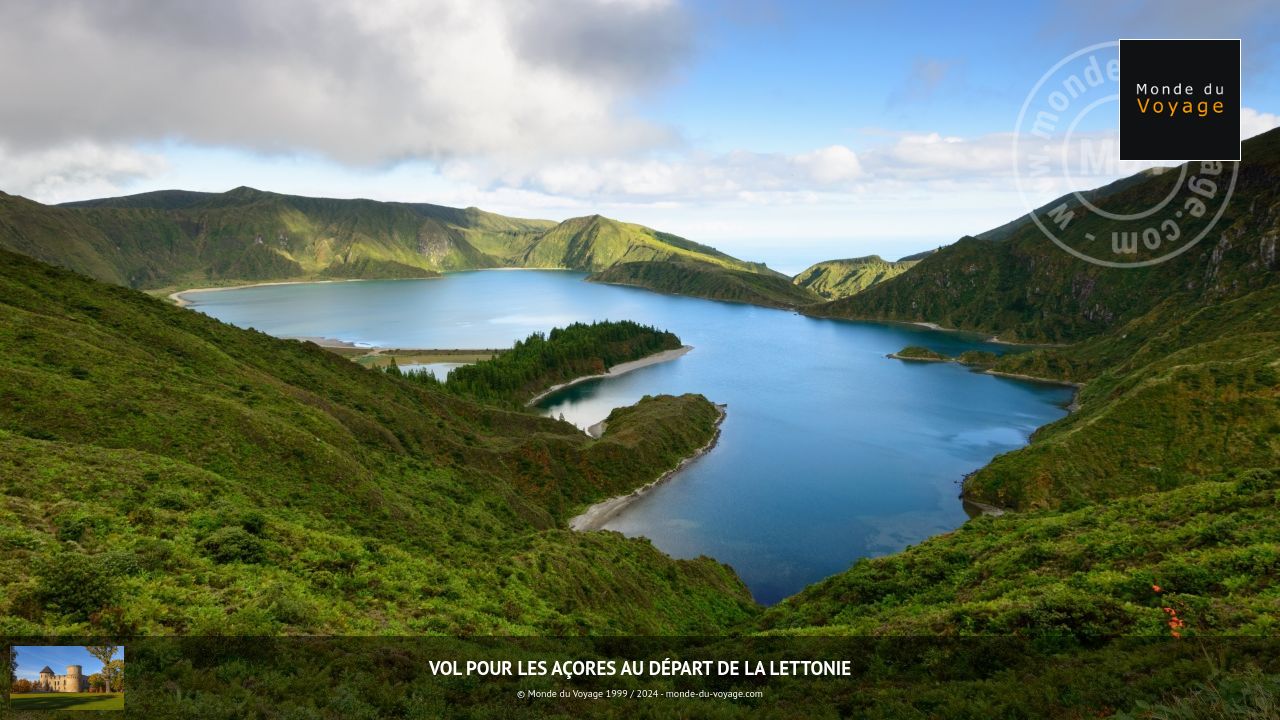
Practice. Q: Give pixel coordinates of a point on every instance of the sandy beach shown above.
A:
(177, 297)
(618, 369)
(594, 517)
(180, 301)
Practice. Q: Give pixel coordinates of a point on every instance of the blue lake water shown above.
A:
(830, 451)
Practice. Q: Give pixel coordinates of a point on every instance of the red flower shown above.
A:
(1156, 588)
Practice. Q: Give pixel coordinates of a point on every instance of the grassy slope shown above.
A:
(163, 472)
(1025, 288)
(178, 238)
(832, 279)
(595, 243)
(1168, 474)
(1212, 547)
(699, 279)
(23, 702)
(1174, 396)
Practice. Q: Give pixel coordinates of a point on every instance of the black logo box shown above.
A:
(1185, 67)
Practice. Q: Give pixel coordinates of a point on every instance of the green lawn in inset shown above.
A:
(67, 701)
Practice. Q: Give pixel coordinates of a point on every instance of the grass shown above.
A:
(710, 281)
(23, 702)
(165, 473)
(176, 240)
(919, 354)
(1028, 290)
(834, 279)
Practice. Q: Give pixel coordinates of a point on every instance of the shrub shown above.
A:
(233, 544)
(74, 584)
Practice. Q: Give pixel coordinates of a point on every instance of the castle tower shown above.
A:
(46, 678)
(74, 680)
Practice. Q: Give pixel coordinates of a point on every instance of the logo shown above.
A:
(1110, 212)
(1180, 99)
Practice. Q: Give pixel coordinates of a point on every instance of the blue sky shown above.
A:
(782, 131)
(33, 658)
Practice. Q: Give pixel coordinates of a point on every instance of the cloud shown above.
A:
(75, 170)
(693, 177)
(1253, 122)
(362, 83)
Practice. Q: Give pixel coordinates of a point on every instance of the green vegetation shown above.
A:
(1085, 574)
(1166, 477)
(543, 360)
(978, 358)
(1170, 399)
(834, 279)
(916, 352)
(595, 243)
(25, 702)
(705, 280)
(1014, 283)
(385, 357)
(175, 239)
(165, 473)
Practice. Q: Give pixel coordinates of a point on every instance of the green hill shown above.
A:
(545, 360)
(712, 281)
(1086, 574)
(1025, 288)
(1181, 398)
(832, 279)
(1152, 503)
(179, 238)
(1172, 397)
(166, 473)
(595, 243)
(1179, 360)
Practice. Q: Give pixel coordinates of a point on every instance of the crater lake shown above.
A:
(829, 452)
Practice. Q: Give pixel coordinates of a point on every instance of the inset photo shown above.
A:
(66, 677)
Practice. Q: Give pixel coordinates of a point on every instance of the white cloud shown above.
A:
(692, 177)
(829, 165)
(75, 170)
(364, 83)
(1253, 122)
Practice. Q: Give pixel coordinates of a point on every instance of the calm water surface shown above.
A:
(830, 452)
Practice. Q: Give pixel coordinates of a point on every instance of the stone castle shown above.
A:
(73, 682)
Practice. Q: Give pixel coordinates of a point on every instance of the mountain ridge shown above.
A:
(179, 238)
(833, 279)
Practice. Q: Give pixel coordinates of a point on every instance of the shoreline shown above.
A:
(595, 516)
(907, 358)
(984, 509)
(988, 338)
(597, 431)
(180, 301)
(619, 369)
(1072, 406)
(176, 296)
